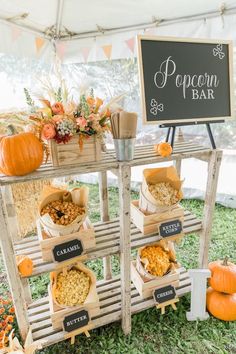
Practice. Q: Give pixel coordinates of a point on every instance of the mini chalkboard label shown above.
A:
(170, 228)
(185, 80)
(67, 250)
(76, 320)
(164, 294)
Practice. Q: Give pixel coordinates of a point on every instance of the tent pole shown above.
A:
(24, 28)
(152, 24)
(59, 17)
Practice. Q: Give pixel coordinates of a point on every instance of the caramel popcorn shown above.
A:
(69, 209)
(158, 260)
(164, 193)
(72, 288)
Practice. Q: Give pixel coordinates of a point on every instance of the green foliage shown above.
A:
(151, 332)
(58, 95)
(29, 100)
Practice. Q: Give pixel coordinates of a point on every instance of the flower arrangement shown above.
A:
(7, 320)
(61, 120)
(14, 345)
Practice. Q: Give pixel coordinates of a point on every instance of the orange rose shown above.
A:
(57, 108)
(48, 131)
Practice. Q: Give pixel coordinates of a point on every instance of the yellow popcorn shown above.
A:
(158, 260)
(72, 288)
(164, 193)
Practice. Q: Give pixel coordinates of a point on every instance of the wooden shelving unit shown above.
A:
(118, 297)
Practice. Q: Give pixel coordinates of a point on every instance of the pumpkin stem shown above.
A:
(225, 261)
(11, 130)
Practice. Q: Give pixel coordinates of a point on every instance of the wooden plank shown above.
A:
(104, 210)
(107, 240)
(125, 256)
(13, 276)
(15, 233)
(111, 309)
(145, 155)
(210, 196)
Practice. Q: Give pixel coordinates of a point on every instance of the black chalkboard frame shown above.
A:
(146, 119)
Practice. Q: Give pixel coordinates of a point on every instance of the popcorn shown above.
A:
(164, 193)
(71, 211)
(72, 288)
(158, 260)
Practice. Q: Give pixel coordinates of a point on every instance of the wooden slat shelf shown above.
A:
(143, 155)
(118, 296)
(107, 241)
(109, 292)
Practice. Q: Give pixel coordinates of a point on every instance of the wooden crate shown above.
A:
(85, 235)
(91, 304)
(150, 223)
(71, 153)
(146, 288)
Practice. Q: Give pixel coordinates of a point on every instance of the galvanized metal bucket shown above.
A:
(124, 149)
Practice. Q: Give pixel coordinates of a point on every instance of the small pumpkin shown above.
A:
(220, 305)
(164, 149)
(25, 265)
(223, 276)
(20, 153)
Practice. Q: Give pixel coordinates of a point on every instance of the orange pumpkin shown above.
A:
(221, 306)
(223, 276)
(164, 149)
(20, 153)
(25, 265)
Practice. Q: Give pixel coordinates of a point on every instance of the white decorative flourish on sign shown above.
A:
(218, 51)
(155, 106)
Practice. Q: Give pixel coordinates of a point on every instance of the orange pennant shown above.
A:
(130, 43)
(39, 42)
(107, 50)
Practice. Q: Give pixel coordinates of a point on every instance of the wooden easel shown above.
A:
(168, 303)
(73, 334)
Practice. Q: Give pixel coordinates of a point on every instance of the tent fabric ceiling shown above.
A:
(83, 18)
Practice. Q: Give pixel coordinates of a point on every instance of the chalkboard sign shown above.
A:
(164, 294)
(76, 321)
(170, 228)
(185, 80)
(67, 250)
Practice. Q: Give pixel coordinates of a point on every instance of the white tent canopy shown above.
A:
(82, 31)
(101, 29)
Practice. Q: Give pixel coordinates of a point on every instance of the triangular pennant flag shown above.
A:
(130, 43)
(85, 52)
(107, 50)
(61, 48)
(39, 42)
(15, 33)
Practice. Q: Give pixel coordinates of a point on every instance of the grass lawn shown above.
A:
(151, 332)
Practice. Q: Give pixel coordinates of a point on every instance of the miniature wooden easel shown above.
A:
(168, 303)
(73, 334)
